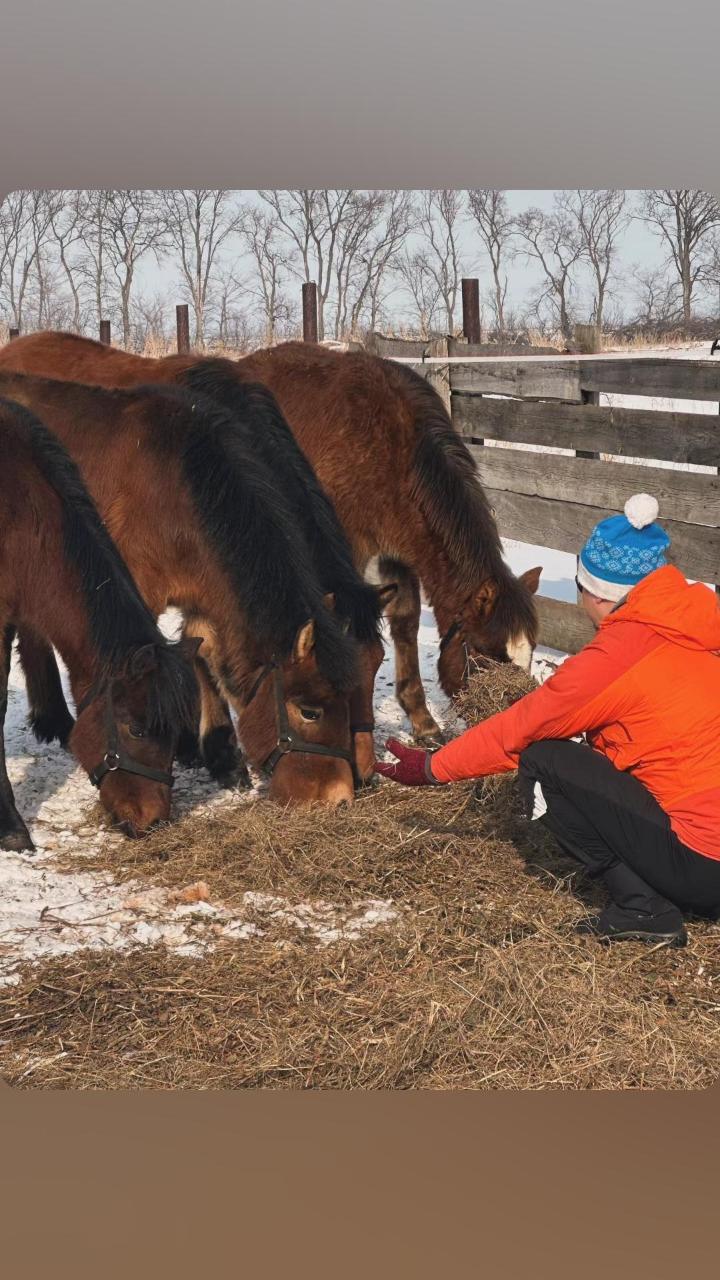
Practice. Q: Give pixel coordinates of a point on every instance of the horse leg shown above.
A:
(403, 614)
(362, 720)
(13, 832)
(49, 717)
(219, 748)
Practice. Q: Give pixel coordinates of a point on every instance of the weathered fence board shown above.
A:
(566, 377)
(563, 626)
(683, 495)
(564, 526)
(538, 379)
(633, 433)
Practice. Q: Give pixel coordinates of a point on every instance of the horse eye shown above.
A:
(136, 731)
(310, 713)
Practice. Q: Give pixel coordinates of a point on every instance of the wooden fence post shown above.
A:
(105, 332)
(471, 309)
(310, 312)
(182, 320)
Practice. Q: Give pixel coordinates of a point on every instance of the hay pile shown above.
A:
(480, 981)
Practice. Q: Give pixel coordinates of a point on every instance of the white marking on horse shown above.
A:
(520, 652)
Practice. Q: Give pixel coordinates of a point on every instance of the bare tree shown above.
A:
(553, 241)
(93, 263)
(658, 300)
(24, 220)
(380, 255)
(134, 226)
(66, 223)
(440, 215)
(198, 224)
(601, 219)
(313, 222)
(496, 228)
(420, 282)
(271, 266)
(683, 221)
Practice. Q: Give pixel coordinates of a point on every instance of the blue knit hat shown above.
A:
(623, 550)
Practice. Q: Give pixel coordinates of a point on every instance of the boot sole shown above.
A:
(634, 935)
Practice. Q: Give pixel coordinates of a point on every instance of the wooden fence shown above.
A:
(553, 499)
(515, 395)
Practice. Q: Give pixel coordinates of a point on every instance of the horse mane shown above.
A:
(458, 512)
(257, 539)
(260, 422)
(120, 622)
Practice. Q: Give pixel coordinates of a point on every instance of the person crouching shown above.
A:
(638, 802)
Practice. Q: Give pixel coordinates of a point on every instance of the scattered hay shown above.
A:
(479, 982)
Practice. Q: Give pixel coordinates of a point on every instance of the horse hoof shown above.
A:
(187, 751)
(53, 727)
(237, 779)
(368, 784)
(17, 842)
(430, 738)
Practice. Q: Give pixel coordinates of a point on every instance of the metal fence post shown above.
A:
(182, 318)
(471, 309)
(310, 312)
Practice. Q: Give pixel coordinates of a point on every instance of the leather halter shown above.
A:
(116, 759)
(287, 741)
(450, 634)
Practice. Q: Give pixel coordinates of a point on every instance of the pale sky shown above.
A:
(639, 247)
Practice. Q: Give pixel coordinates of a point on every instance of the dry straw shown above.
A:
(480, 982)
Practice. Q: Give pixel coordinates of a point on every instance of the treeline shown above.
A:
(381, 259)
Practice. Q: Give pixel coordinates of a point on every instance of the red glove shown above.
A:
(413, 768)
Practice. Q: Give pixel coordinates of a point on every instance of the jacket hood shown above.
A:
(687, 615)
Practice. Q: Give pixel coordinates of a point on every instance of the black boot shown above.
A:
(619, 924)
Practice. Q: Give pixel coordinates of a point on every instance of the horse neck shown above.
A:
(446, 595)
(51, 604)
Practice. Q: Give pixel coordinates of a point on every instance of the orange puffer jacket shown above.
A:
(645, 691)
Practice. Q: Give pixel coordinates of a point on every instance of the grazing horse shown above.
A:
(402, 482)
(63, 581)
(200, 523)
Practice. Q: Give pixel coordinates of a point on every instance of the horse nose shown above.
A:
(127, 828)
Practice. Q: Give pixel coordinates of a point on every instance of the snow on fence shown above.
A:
(551, 499)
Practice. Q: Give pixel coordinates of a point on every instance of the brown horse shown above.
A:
(62, 580)
(401, 480)
(199, 521)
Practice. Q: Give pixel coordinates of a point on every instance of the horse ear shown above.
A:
(531, 579)
(329, 601)
(143, 661)
(304, 641)
(386, 593)
(485, 598)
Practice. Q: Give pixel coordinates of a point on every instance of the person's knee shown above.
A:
(537, 758)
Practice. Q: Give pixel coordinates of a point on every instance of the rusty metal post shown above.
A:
(13, 333)
(471, 309)
(182, 315)
(310, 312)
(105, 332)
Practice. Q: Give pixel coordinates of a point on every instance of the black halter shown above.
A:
(287, 741)
(116, 759)
(450, 634)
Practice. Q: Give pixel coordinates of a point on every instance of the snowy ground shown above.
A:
(45, 911)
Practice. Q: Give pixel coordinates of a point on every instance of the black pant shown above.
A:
(610, 822)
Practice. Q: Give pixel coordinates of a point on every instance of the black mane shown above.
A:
(448, 490)
(254, 531)
(119, 621)
(261, 424)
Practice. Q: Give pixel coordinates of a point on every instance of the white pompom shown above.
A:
(641, 510)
